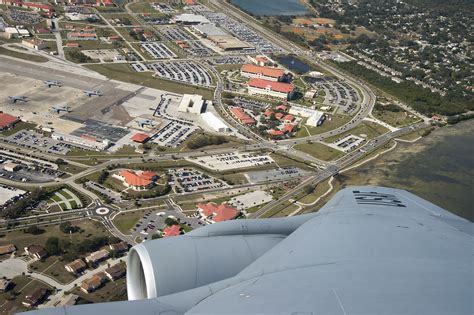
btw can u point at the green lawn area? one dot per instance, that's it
(123, 72)
(21, 286)
(284, 161)
(110, 291)
(328, 125)
(16, 54)
(22, 239)
(369, 129)
(320, 151)
(395, 119)
(18, 127)
(54, 268)
(125, 221)
(89, 44)
(142, 7)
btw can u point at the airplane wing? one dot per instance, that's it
(370, 250)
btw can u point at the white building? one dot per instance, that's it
(215, 122)
(87, 142)
(191, 103)
(316, 119)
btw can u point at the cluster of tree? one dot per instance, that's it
(67, 228)
(157, 191)
(34, 229)
(205, 140)
(21, 206)
(389, 107)
(103, 177)
(77, 56)
(70, 251)
(416, 96)
(138, 35)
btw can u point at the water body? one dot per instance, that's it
(271, 7)
(294, 64)
(438, 168)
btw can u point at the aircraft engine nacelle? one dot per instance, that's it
(170, 265)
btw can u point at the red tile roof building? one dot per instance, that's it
(140, 138)
(7, 120)
(282, 108)
(252, 71)
(289, 118)
(289, 128)
(217, 213)
(275, 132)
(141, 180)
(173, 230)
(270, 88)
(241, 116)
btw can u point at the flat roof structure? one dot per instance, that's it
(214, 122)
(191, 103)
(273, 86)
(263, 71)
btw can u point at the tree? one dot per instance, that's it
(52, 246)
(103, 176)
(170, 221)
(34, 229)
(309, 189)
(67, 227)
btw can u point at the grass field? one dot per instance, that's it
(369, 129)
(142, 7)
(22, 239)
(319, 151)
(16, 54)
(124, 73)
(54, 268)
(125, 221)
(395, 119)
(18, 127)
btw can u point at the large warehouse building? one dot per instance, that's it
(270, 88)
(215, 122)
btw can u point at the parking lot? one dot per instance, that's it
(183, 71)
(37, 141)
(337, 92)
(24, 17)
(158, 50)
(188, 180)
(277, 174)
(230, 161)
(173, 134)
(238, 30)
(185, 40)
(29, 170)
(153, 221)
(347, 143)
(251, 199)
(9, 194)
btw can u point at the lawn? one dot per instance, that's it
(320, 151)
(123, 72)
(367, 129)
(125, 221)
(395, 119)
(141, 7)
(283, 161)
(16, 54)
(18, 127)
(22, 285)
(54, 268)
(22, 239)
